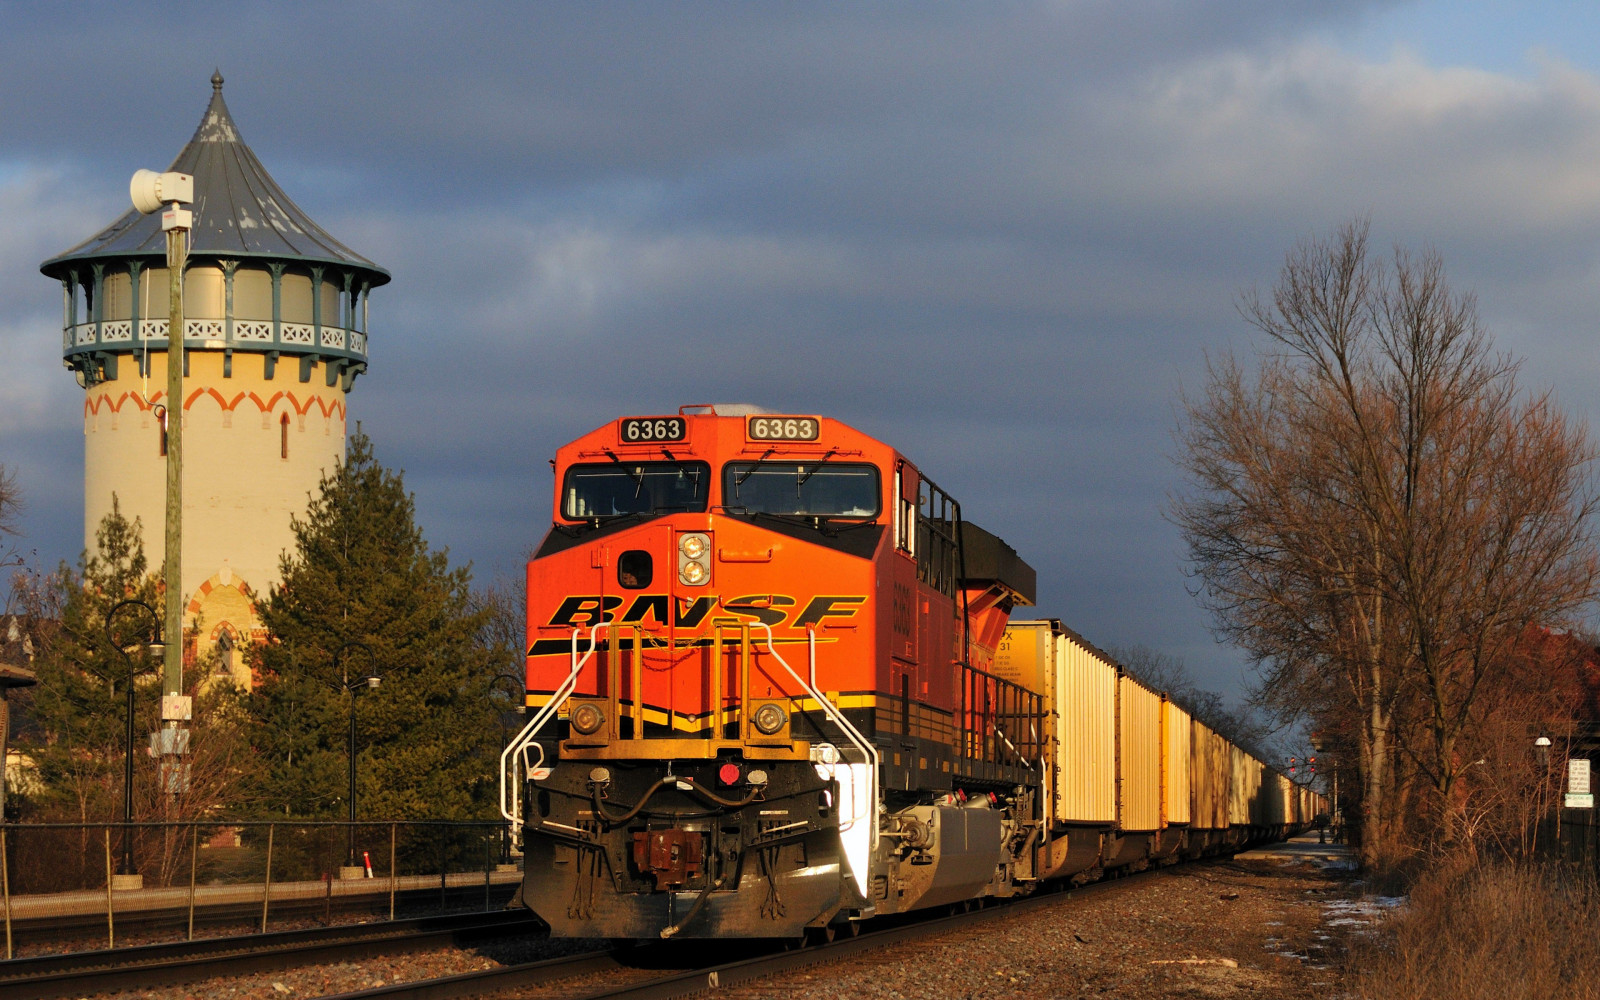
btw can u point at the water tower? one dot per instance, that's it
(275, 327)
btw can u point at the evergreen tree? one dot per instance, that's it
(363, 587)
(78, 714)
(79, 708)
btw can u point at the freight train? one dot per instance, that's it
(776, 691)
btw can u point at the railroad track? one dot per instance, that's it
(79, 973)
(643, 983)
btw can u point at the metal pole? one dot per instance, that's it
(266, 888)
(353, 688)
(172, 575)
(350, 830)
(127, 760)
(111, 927)
(194, 861)
(391, 871)
(127, 780)
(5, 887)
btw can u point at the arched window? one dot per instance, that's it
(226, 644)
(283, 436)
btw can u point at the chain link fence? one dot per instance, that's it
(76, 886)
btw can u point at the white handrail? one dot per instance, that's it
(516, 751)
(851, 732)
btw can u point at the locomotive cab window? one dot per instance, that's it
(635, 569)
(806, 489)
(614, 489)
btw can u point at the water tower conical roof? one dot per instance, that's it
(239, 210)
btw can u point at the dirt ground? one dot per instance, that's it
(1267, 928)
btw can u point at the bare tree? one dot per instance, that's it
(10, 509)
(1378, 514)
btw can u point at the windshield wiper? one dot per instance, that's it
(637, 475)
(820, 463)
(751, 471)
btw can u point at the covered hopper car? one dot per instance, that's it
(775, 690)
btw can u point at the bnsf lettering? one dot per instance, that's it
(648, 606)
(746, 606)
(593, 609)
(586, 610)
(828, 607)
(696, 612)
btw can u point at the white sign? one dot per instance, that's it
(1578, 776)
(1585, 801)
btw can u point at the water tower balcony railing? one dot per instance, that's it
(247, 334)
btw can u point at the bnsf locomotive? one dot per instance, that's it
(775, 690)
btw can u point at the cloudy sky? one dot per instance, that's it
(999, 236)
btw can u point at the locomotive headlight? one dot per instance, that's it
(694, 559)
(587, 718)
(693, 546)
(769, 719)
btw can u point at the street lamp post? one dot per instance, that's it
(153, 192)
(158, 647)
(369, 681)
(1541, 751)
(518, 686)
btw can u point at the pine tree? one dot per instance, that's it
(362, 584)
(77, 728)
(80, 705)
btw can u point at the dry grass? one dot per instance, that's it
(1495, 932)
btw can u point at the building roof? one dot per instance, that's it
(239, 210)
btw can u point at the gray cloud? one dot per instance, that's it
(1000, 238)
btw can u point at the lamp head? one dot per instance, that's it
(151, 192)
(373, 680)
(1542, 742)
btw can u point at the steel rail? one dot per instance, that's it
(144, 966)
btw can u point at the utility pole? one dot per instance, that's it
(152, 192)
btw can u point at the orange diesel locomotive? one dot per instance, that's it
(761, 672)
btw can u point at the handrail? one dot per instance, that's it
(1010, 701)
(851, 732)
(525, 738)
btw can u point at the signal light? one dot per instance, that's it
(769, 719)
(728, 774)
(587, 718)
